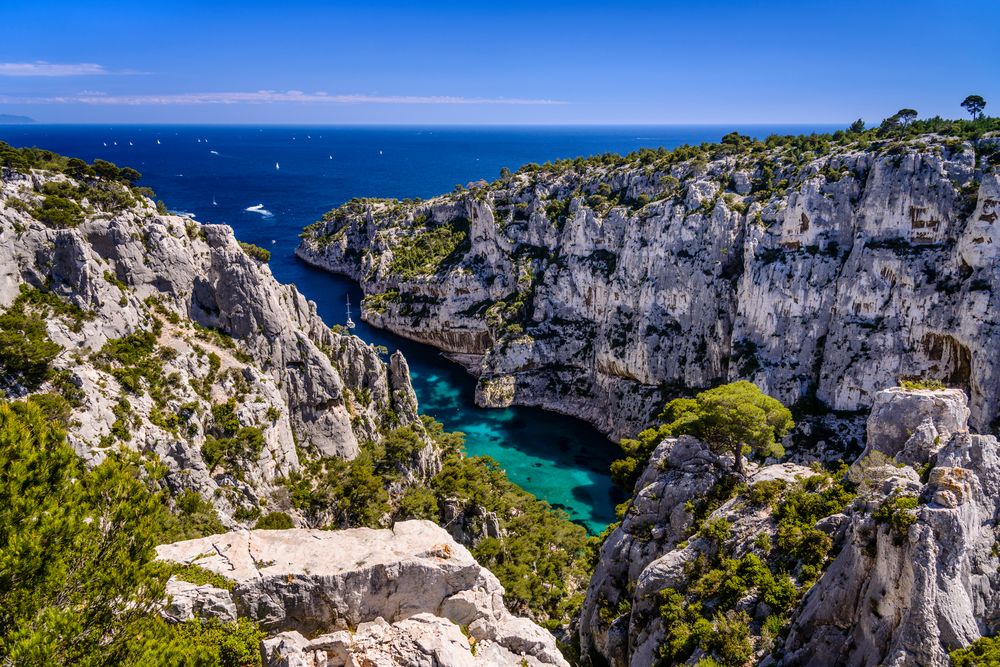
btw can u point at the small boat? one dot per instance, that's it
(331, 157)
(214, 152)
(130, 143)
(157, 142)
(277, 166)
(105, 144)
(380, 152)
(214, 203)
(350, 322)
(273, 241)
(259, 208)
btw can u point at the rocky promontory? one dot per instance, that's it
(821, 268)
(169, 337)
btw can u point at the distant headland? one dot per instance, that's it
(10, 119)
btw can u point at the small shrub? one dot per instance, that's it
(256, 252)
(275, 521)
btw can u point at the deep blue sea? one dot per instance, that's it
(559, 459)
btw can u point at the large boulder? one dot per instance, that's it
(412, 581)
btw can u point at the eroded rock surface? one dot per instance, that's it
(223, 329)
(907, 598)
(399, 596)
(590, 288)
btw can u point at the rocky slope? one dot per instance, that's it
(906, 562)
(820, 269)
(406, 596)
(167, 337)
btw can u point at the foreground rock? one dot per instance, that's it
(587, 288)
(409, 595)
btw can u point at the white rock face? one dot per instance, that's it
(873, 265)
(393, 597)
(287, 370)
(907, 600)
(186, 601)
(645, 555)
(886, 598)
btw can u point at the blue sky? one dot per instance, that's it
(511, 62)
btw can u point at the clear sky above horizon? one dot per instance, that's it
(514, 62)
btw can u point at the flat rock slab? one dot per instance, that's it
(315, 580)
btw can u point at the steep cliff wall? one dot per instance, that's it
(817, 269)
(171, 340)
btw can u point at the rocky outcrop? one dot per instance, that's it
(653, 548)
(223, 329)
(598, 286)
(908, 593)
(912, 571)
(406, 596)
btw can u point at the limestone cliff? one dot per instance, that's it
(818, 268)
(892, 562)
(172, 340)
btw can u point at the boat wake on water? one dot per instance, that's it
(259, 208)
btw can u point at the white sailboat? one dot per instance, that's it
(350, 322)
(277, 166)
(214, 203)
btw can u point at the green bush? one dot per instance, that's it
(984, 652)
(77, 580)
(26, 351)
(256, 252)
(58, 212)
(275, 521)
(896, 512)
(418, 503)
(209, 642)
(702, 612)
(921, 383)
(423, 252)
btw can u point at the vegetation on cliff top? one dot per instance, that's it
(773, 162)
(736, 418)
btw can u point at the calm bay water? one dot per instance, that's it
(298, 173)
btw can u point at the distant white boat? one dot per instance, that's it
(214, 203)
(331, 157)
(214, 152)
(115, 143)
(277, 166)
(273, 241)
(157, 142)
(380, 152)
(130, 143)
(350, 322)
(259, 208)
(199, 141)
(105, 143)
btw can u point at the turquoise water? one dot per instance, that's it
(559, 459)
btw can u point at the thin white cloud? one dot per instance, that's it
(42, 68)
(267, 97)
